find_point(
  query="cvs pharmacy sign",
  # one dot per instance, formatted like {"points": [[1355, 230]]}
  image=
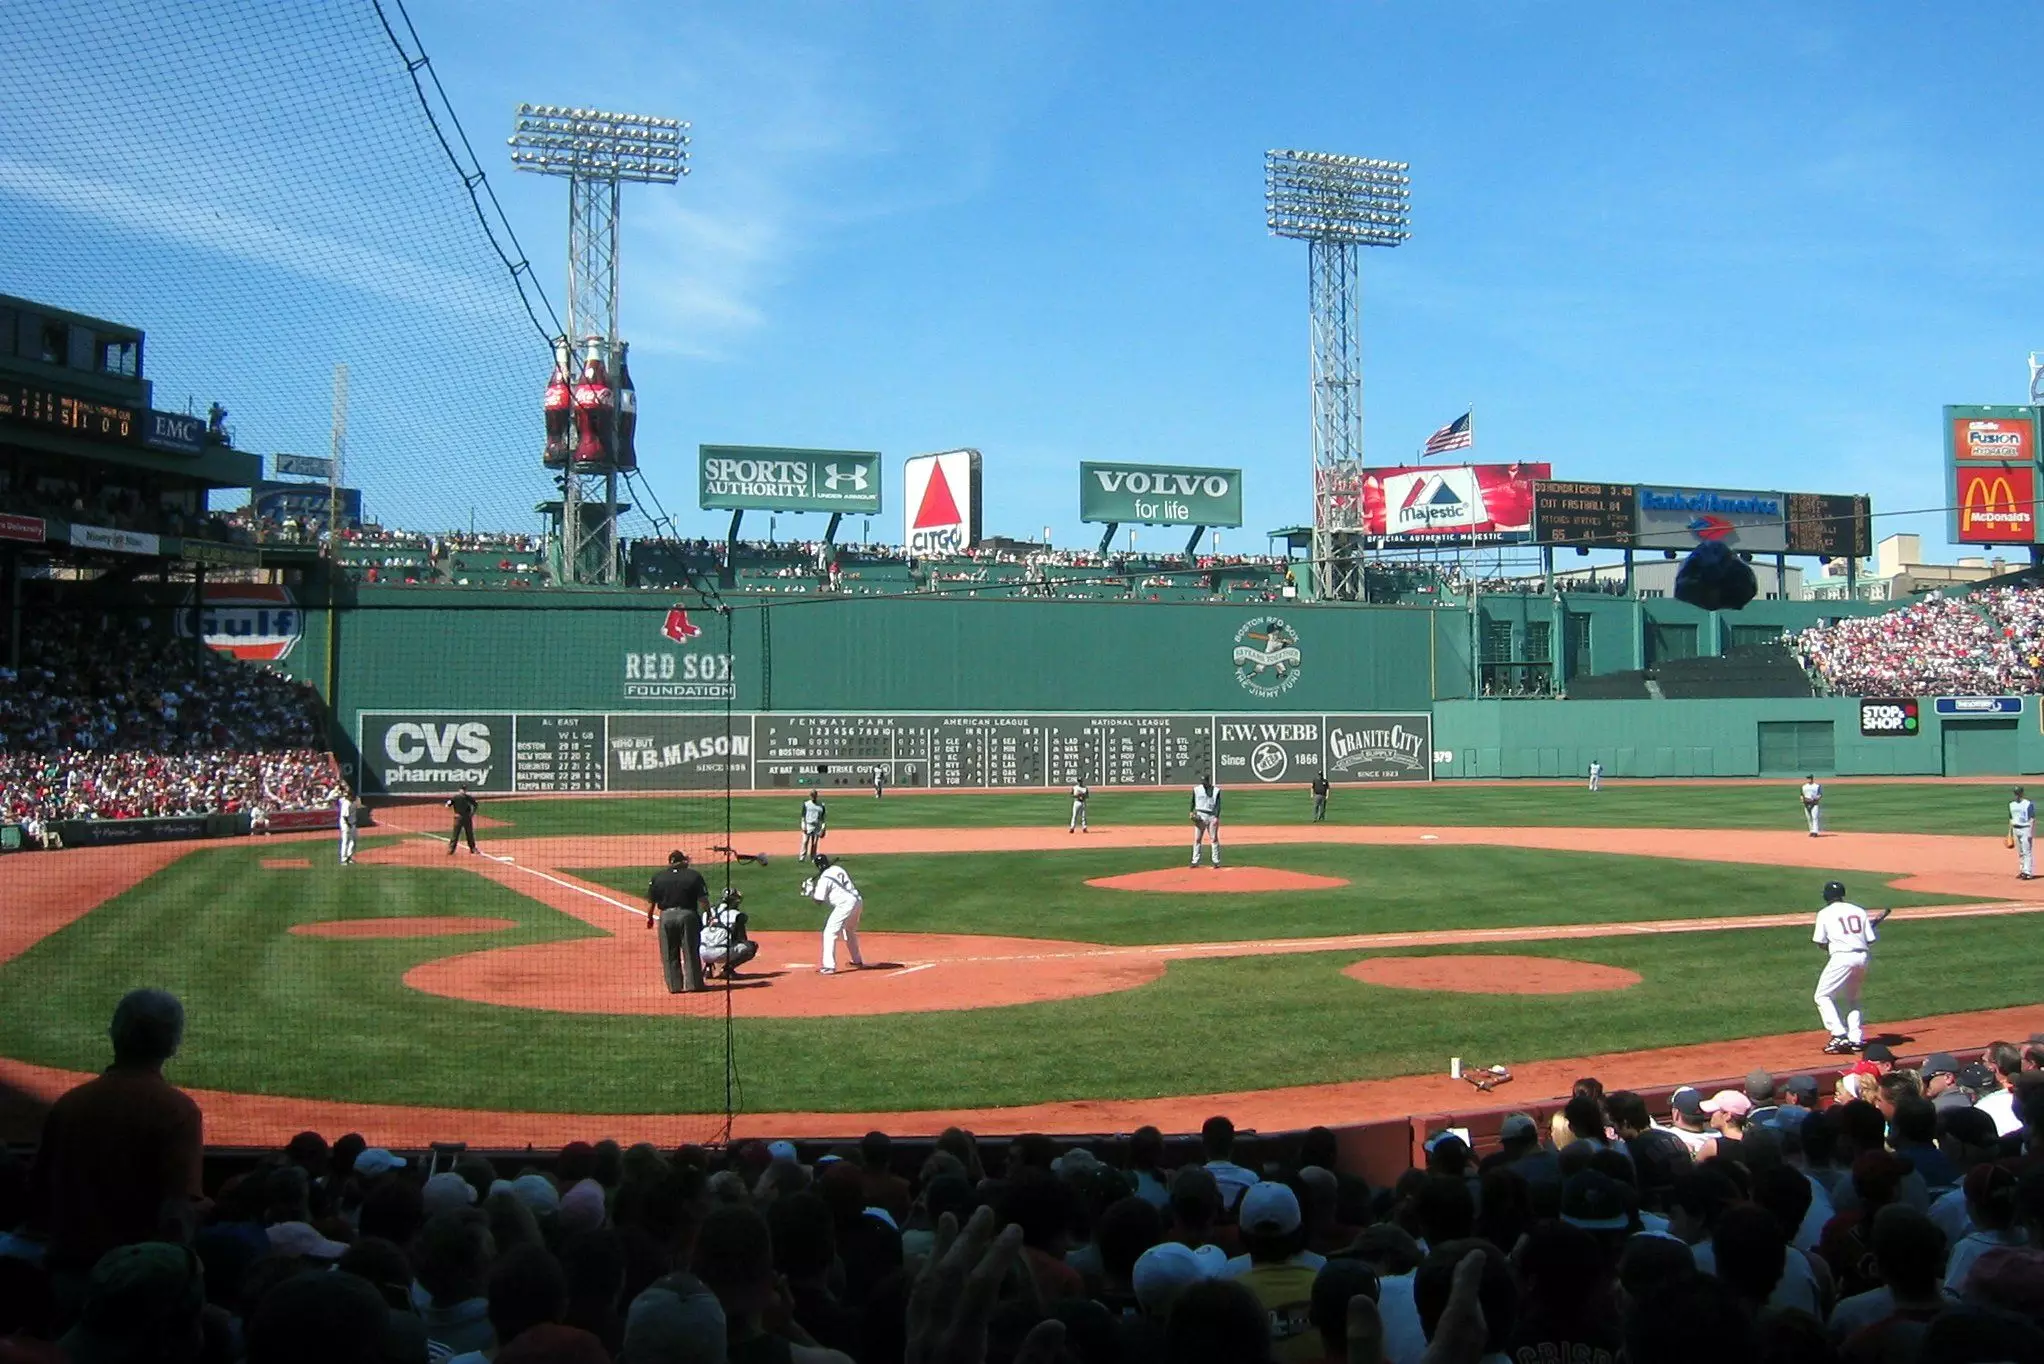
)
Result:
{"points": [[430, 754]]}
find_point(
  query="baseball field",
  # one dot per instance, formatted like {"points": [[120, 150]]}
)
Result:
{"points": [[1019, 976]]}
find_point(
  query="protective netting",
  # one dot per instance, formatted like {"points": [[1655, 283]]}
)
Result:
{"points": [[258, 185], [175, 815]]}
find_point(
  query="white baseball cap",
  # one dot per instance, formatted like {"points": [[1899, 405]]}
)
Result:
{"points": [[1269, 1210], [781, 1150], [1162, 1270]]}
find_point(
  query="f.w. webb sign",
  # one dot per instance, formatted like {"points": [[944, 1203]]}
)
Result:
{"points": [[1160, 495]]}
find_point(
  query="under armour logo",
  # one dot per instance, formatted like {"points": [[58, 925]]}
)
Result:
{"points": [[834, 477]]}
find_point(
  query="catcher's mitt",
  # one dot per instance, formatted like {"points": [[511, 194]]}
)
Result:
{"points": [[1487, 1078]]}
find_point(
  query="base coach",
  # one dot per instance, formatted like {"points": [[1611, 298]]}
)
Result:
{"points": [[679, 895]]}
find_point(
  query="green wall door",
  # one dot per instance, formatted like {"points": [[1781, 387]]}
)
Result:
{"points": [[1980, 748]]}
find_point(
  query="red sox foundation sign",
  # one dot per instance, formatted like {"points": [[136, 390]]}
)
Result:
{"points": [[665, 675]]}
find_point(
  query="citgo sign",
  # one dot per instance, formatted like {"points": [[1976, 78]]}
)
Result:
{"points": [[1996, 504]]}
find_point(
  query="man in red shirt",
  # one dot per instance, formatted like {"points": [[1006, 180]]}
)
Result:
{"points": [[119, 1158]]}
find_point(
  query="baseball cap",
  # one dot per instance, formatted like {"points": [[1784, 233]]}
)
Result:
{"points": [[448, 1190], [1518, 1127], [582, 1207], [1269, 1210], [1075, 1161], [1444, 1141], [1977, 1075], [551, 1343], [1940, 1063], [1970, 1126], [882, 1215], [377, 1161], [677, 1321], [781, 1150], [1805, 1086], [303, 1239], [1879, 1052], [1593, 1201], [1728, 1101], [136, 1294], [1687, 1102], [1162, 1270]]}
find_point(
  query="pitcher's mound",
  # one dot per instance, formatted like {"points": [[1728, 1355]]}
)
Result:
{"points": [[1492, 975], [430, 926], [1209, 880]]}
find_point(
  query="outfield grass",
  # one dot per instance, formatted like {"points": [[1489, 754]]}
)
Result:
{"points": [[275, 1013], [1899, 807], [1392, 889]]}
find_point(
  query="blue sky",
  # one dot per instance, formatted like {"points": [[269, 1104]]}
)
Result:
{"points": [[1742, 245]]}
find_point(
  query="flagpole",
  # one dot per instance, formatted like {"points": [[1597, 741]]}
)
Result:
{"points": [[1472, 425]]}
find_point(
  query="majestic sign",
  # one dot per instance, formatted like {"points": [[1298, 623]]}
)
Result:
{"points": [[1994, 504], [941, 502], [1266, 656], [761, 478], [1886, 718], [1160, 495], [254, 622], [1455, 504], [1683, 518]]}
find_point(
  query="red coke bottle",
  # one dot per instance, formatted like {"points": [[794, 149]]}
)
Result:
{"points": [[560, 419], [595, 404]]}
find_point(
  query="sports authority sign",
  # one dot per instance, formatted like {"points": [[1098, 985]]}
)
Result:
{"points": [[255, 622], [1160, 495], [764, 478], [1456, 504], [941, 502], [1683, 518], [1994, 504]]}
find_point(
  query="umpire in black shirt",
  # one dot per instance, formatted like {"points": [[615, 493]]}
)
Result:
{"points": [[464, 806], [680, 895]]}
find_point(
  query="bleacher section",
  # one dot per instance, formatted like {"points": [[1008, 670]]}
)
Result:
{"points": [[1744, 671]]}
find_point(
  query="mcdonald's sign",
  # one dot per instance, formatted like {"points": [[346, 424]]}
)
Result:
{"points": [[1997, 504]]}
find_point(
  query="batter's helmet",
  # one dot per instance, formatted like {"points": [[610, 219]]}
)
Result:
{"points": [[1833, 890], [822, 861]]}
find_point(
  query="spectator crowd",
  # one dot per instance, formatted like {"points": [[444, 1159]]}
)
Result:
{"points": [[1897, 1223], [1986, 643], [108, 718]]}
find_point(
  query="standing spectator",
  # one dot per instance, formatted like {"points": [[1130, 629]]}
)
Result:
{"points": [[118, 1162]]}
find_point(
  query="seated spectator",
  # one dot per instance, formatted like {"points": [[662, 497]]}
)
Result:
{"points": [[1217, 1141], [1913, 1133], [676, 1320], [118, 1161], [335, 1317], [1691, 1124], [1338, 1281], [1279, 1270], [2012, 1277], [1125, 1230], [805, 1254], [884, 1188], [1434, 1282], [2005, 1059], [1217, 1321], [1145, 1159], [734, 1257], [452, 1261], [1519, 1147], [1887, 1321], [1566, 1308], [1688, 1319], [1196, 1209]]}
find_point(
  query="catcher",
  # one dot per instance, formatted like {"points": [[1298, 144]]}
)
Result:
{"points": [[724, 941]]}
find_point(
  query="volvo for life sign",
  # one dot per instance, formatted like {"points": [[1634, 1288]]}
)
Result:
{"points": [[1889, 718], [1160, 495], [766, 478]]}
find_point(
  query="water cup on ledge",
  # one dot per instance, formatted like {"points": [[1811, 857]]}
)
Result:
{"points": [[1454, 1067]]}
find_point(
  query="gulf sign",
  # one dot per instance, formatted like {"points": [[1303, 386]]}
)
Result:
{"points": [[254, 622], [1995, 504]]}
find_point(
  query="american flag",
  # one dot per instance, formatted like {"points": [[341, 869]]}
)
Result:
{"points": [[1459, 434]]}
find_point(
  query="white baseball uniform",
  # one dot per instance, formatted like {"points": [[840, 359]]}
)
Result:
{"points": [[834, 887], [1596, 775], [716, 947], [1813, 805], [2023, 824], [1848, 932], [1080, 792], [1206, 822], [346, 808], [812, 826]]}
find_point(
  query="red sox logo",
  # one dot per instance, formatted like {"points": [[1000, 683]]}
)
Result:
{"points": [[678, 626]]}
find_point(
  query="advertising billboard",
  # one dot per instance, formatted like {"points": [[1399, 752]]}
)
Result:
{"points": [[1994, 504], [1683, 518], [2002, 435], [1455, 504], [766, 478], [941, 502], [1590, 514], [281, 502], [1160, 495]]}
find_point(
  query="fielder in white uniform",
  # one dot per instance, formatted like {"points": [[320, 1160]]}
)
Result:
{"points": [[1596, 775], [813, 817], [832, 885], [1847, 932], [1206, 820], [2022, 828], [349, 813], [1080, 791], [1813, 805]]}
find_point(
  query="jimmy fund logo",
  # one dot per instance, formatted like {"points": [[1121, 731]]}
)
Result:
{"points": [[1266, 656]]}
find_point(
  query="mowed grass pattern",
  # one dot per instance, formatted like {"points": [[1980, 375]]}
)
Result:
{"points": [[277, 1013]]}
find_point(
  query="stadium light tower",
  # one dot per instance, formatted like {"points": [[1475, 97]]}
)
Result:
{"points": [[1336, 205], [597, 152]]}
